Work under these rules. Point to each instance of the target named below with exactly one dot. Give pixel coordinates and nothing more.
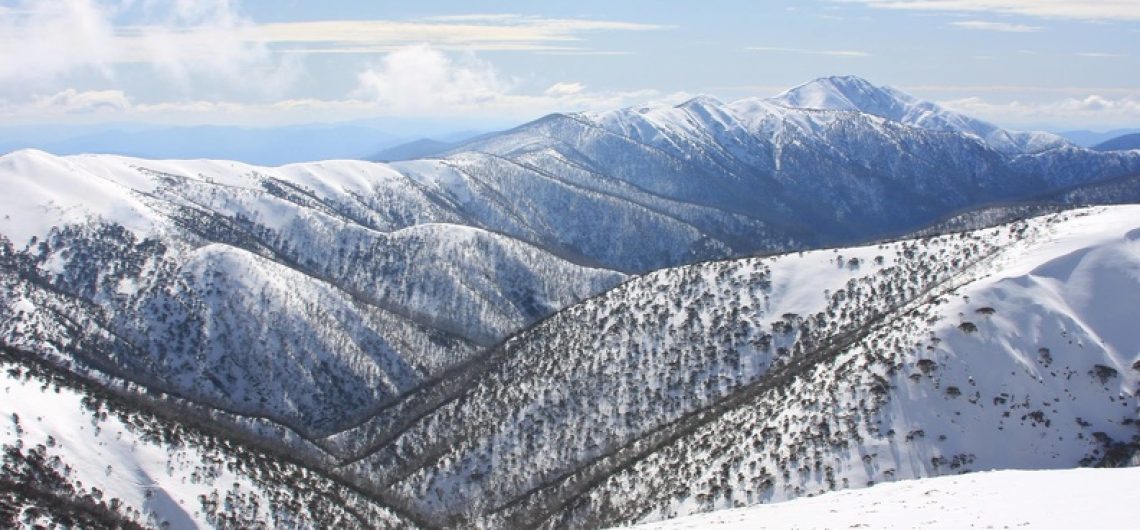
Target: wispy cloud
(804, 51)
(1100, 54)
(418, 80)
(985, 25)
(1090, 110)
(1063, 9)
(1023, 89)
(187, 41)
(601, 53)
(462, 32)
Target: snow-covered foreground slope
(759, 380)
(79, 457)
(1060, 499)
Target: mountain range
(565, 324)
(1120, 143)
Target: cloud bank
(1060, 9)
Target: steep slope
(79, 456)
(1060, 499)
(850, 93)
(758, 380)
(291, 295)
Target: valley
(593, 319)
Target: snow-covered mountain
(458, 339)
(870, 161)
(303, 295)
(850, 93)
(1054, 499)
(379, 277)
(759, 380)
(78, 456)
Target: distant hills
(1120, 143)
(269, 146)
(422, 148)
(1091, 138)
(266, 146)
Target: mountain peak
(855, 94)
(846, 92)
(701, 101)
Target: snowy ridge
(879, 163)
(78, 457)
(740, 382)
(1013, 369)
(459, 337)
(1060, 499)
(175, 266)
(849, 93)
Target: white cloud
(802, 51)
(1089, 111)
(565, 89)
(1101, 55)
(188, 42)
(48, 39)
(1022, 89)
(583, 52)
(72, 101)
(189, 47)
(1005, 27)
(416, 81)
(207, 42)
(421, 78)
(497, 32)
(1064, 9)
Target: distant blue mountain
(421, 148)
(268, 146)
(1120, 143)
(1091, 138)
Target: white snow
(1061, 499)
(853, 94)
(111, 456)
(42, 191)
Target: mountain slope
(849, 93)
(758, 380)
(78, 455)
(1038, 499)
(886, 167)
(176, 270)
(407, 323)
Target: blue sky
(1021, 63)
